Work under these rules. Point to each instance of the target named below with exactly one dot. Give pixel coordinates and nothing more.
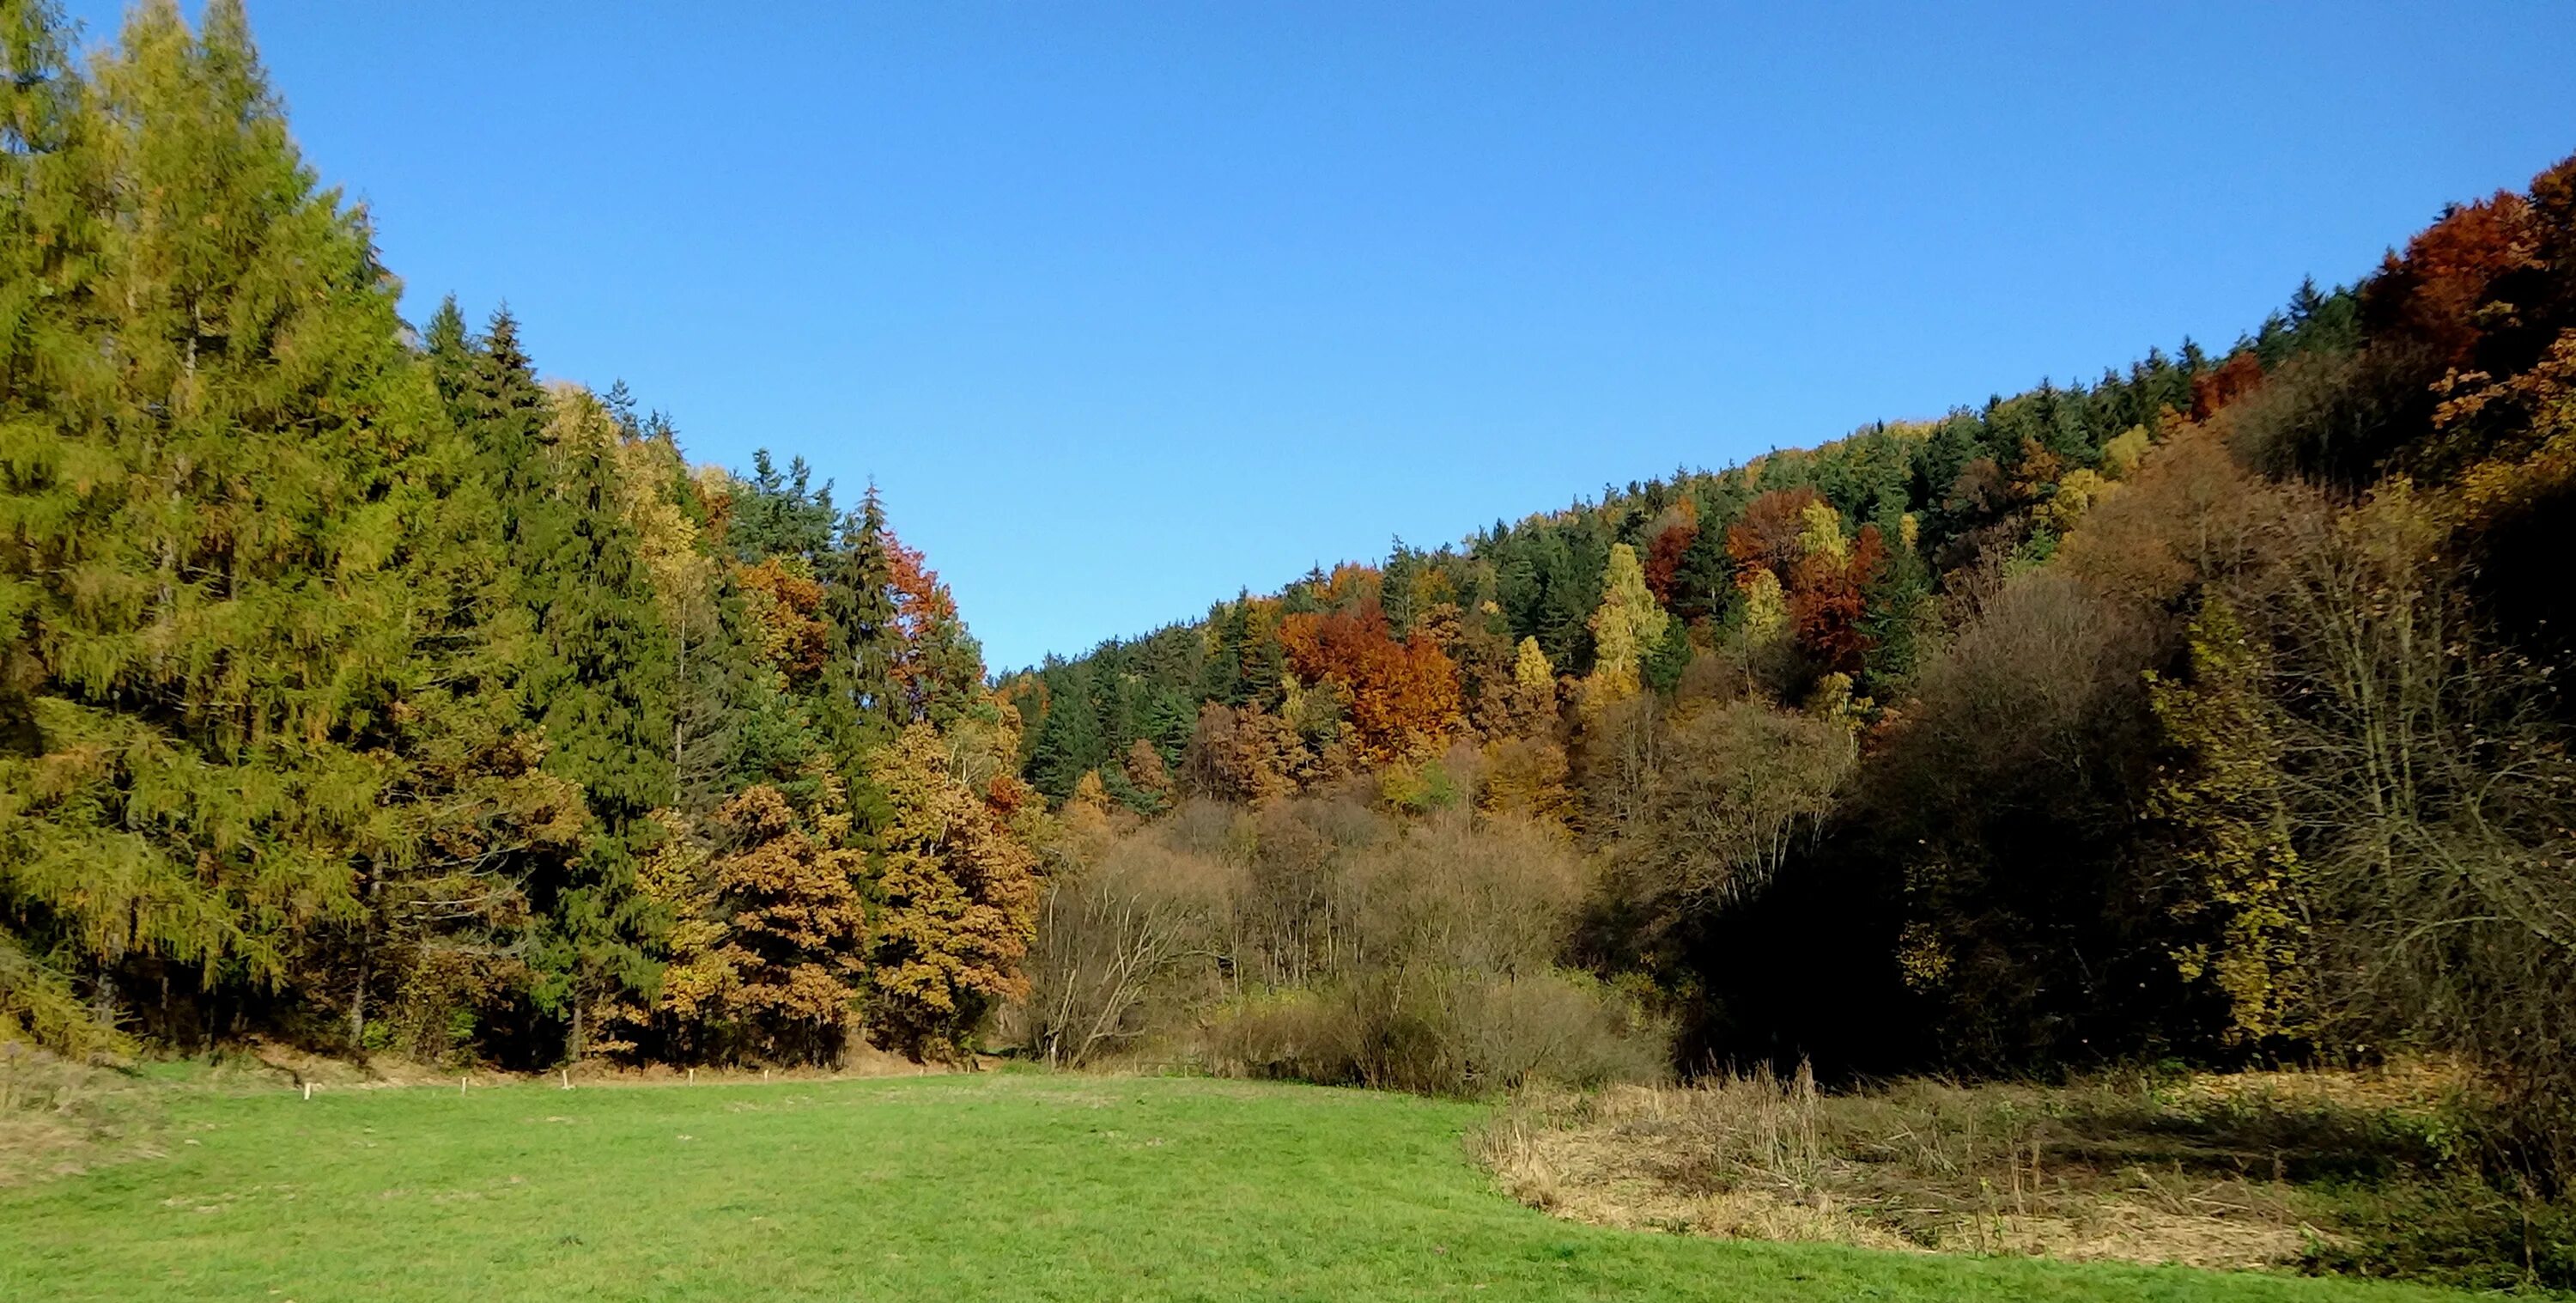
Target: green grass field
(1005, 1186)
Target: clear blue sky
(1129, 306)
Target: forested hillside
(2211, 711)
(359, 688)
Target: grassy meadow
(1005, 1186)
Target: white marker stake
(308, 1090)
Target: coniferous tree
(599, 682)
(1663, 666)
(243, 525)
(861, 699)
(450, 351)
(1069, 741)
(1221, 678)
(776, 515)
(506, 412)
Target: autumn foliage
(2433, 290)
(1404, 695)
(1829, 602)
(787, 609)
(1766, 537)
(796, 926)
(959, 898)
(1665, 551)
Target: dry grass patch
(60, 1116)
(2206, 1171)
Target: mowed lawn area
(1000, 1186)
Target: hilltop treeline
(2208, 711)
(357, 687)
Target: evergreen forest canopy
(356, 687)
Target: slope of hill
(2213, 711)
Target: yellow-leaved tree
(1627, 626)
(957, 890)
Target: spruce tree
(506, 412)
(777, 515)
(1395, 588)
(1221, 674)
(599, 682)
(723, 703)
(450, 352)
(1671, 655)
(1070, 742)
(861, 700)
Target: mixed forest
(359, 688)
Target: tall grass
(2331, 1172)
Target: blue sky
(1126, 307)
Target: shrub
(1445, 1032)
(1119, 941)
(1316, 938)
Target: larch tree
(1146, 772)
(1628, 627)
(224, 493)
(795, 927)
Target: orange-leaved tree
(1404, 695)
(796, 930)
(938, 668)
(1828, 597)
(1668, 540)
